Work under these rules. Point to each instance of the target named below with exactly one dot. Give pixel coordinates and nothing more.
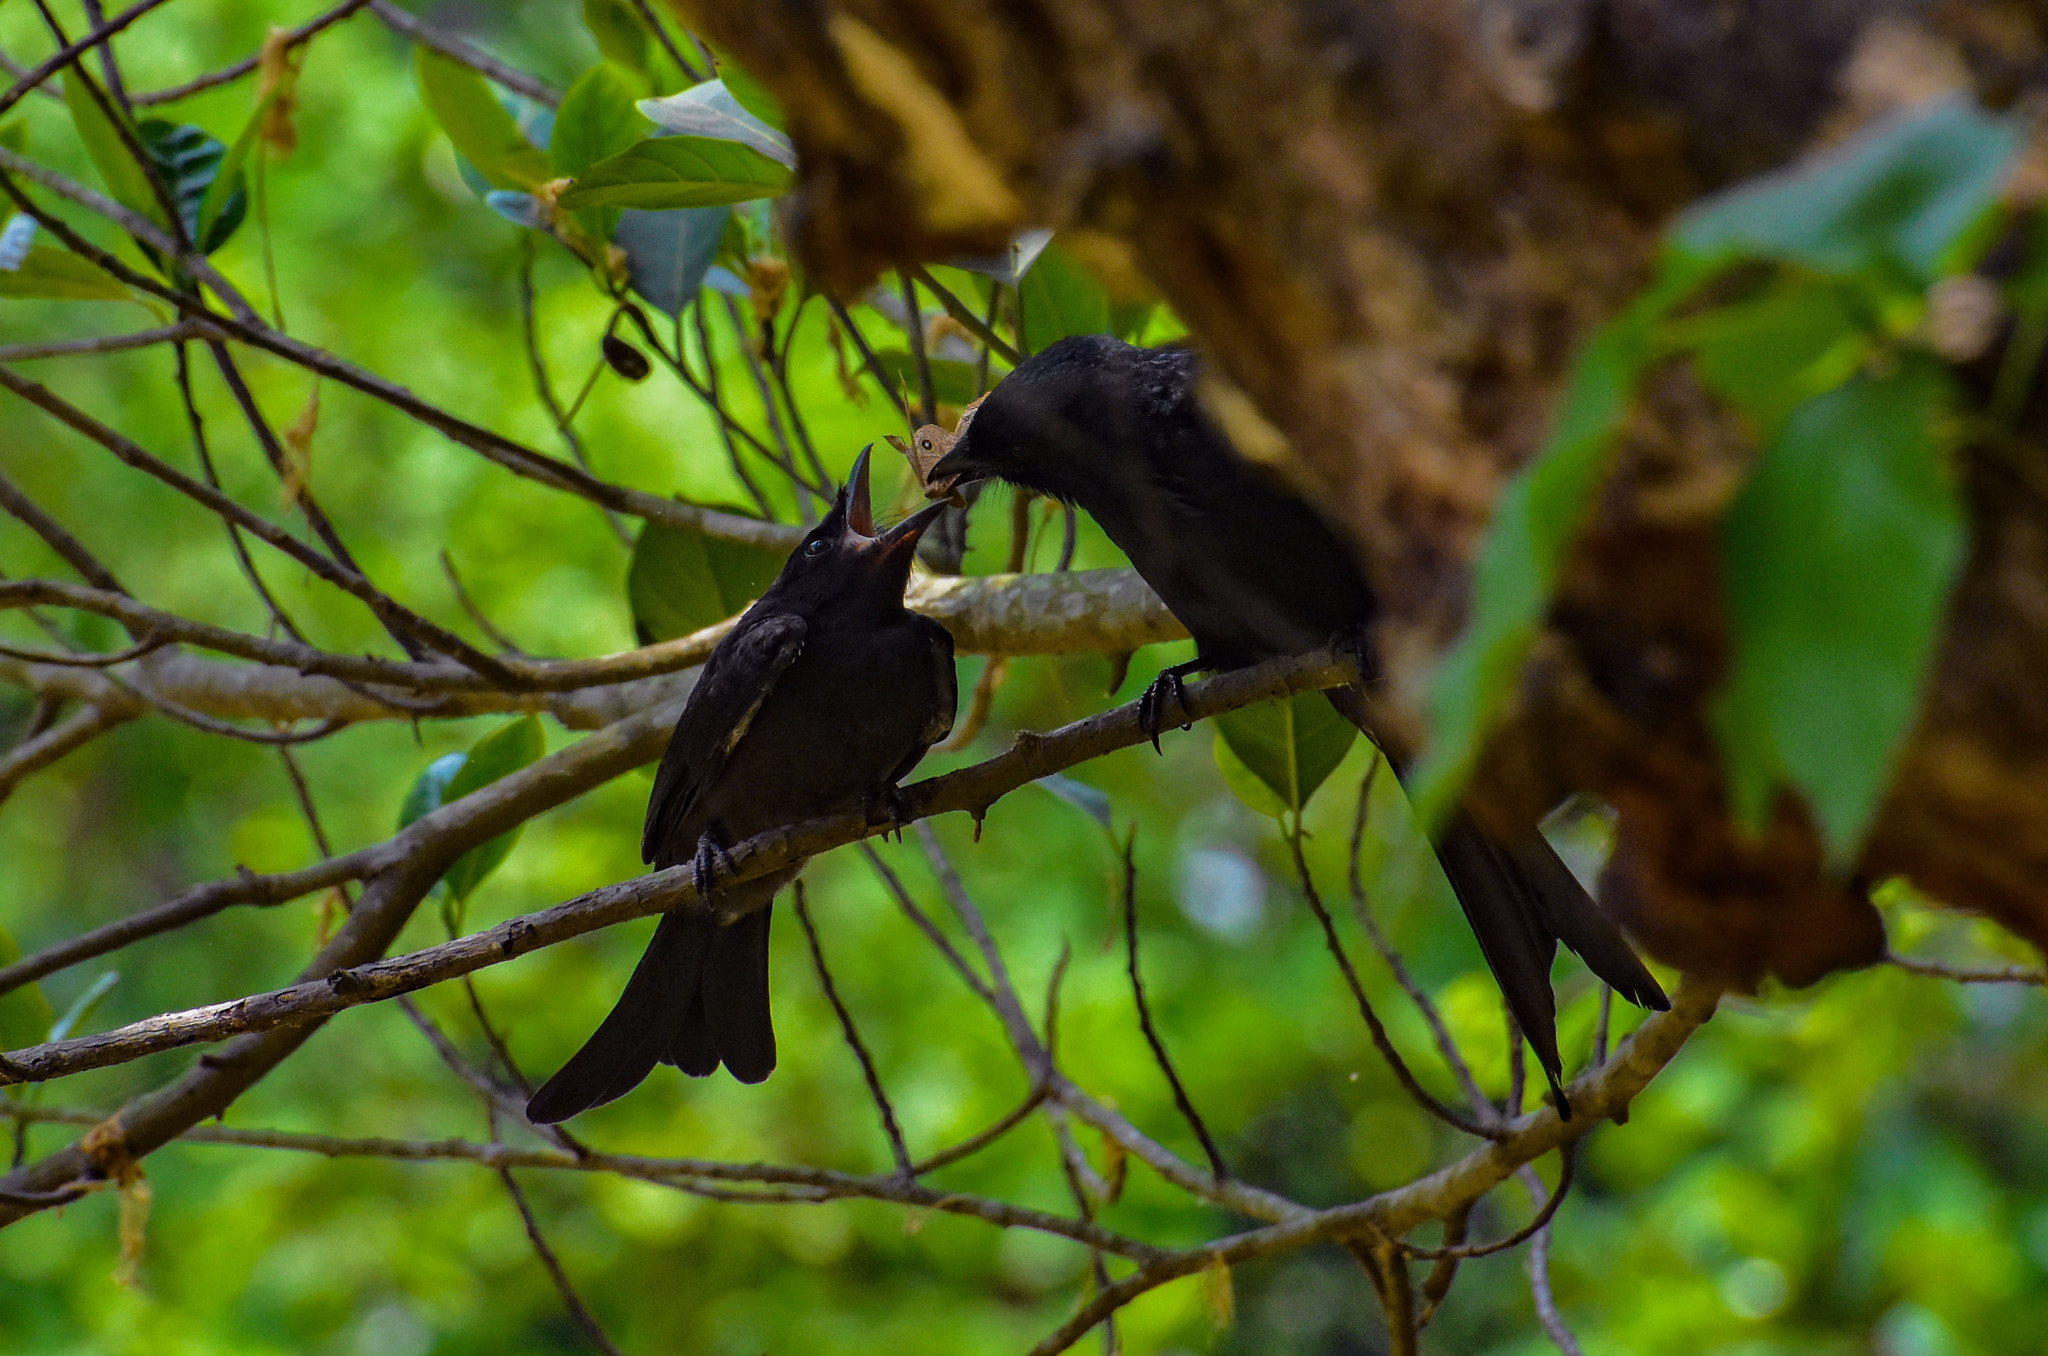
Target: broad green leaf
(1534, 523)
(225, 194)
(748, 93)
(126, 180)
(1290, 746)
(429, 790)
(668, 253)
(454, 775)
(1914, 193)
(618, 33)
(1768, 355)
(188, 163)
(498, 754)
(24, 1012)
(667, 172)
(82, 1007)
(1128, 319)
(14, 135)
(484, 134)
(1243, 782)
(1839, 556)
(59, 275)
(952, 382)
(1058, 298)
(682, 581)
(597, 120)
(710, 110)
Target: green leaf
(24, 1012)
(454, 775)
(484, 134)
(709, 110)
(1534, 523)
(225, 194)
(1768, 355)
(749, 94)
(1289, 746)
(82, 1007)
(125, 179)
(1840, 555)
(666, 172)
(498, 754)
(429, 791)
(1913, 193)
(55, 274)
(14, 135)
(1243, 782)
(1058, 298)
(618, 32)
(682, 581)
(597, 120)
(668, 253)
(189, 164)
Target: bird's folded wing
(740, 674)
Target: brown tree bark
(1389, 222)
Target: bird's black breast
(854, 709)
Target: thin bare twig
(1965, 974)
(454, 48)
(571, 1301)
(475, 613)
(71, 51)
(981, 329)
(1380, 1039)
(1537, 1265)
(1159, 1055)
(1481, 1107)
(100, 343)
(227, 75)
(913, 330)
(853, 1040)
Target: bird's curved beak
(904, 535)
(952, 473)
(860, 514)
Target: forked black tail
(1521, 901)
(697, 999)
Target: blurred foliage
(1857, 1168)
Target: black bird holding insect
(825, 693)
(1254, 572)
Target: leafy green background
(1863, 1167)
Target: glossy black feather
(1253, 571)
(820, 698)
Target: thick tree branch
(443, 835)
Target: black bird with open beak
(820, 699)
(1254, 572)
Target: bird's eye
(817, 546)
(925, 443)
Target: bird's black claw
(889, 808)
(1152, 703)
(711, 858)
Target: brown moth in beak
(930, 443)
